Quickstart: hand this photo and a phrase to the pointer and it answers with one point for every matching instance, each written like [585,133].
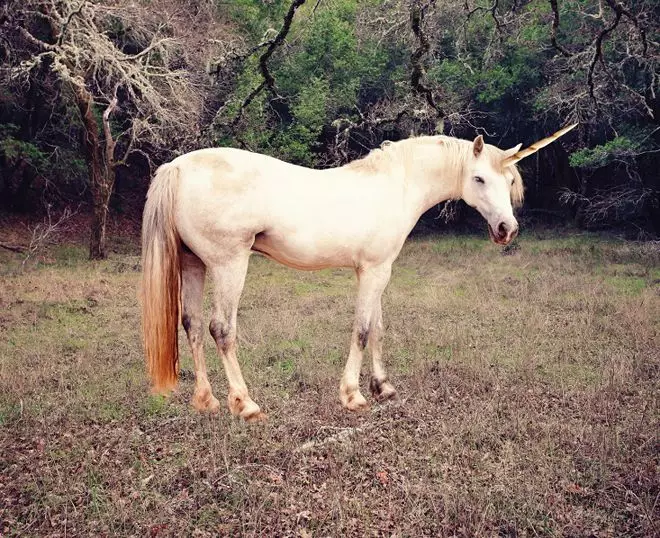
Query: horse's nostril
[501,229]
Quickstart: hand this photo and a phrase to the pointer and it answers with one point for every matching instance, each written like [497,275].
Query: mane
[452,152]
[377,160]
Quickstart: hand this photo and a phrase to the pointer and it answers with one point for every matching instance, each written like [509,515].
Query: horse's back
[226,165]
[311,217]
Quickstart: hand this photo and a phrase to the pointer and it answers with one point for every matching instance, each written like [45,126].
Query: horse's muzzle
[503,235]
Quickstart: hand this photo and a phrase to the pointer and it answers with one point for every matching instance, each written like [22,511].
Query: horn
[536,146]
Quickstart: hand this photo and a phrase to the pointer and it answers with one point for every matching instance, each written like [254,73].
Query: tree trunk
[97,241]
[101,175]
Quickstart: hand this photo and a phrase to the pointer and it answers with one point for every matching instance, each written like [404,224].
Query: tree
[126,77]
[320,83]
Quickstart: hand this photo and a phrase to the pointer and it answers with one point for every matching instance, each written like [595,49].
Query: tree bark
[101,174]
[97,241]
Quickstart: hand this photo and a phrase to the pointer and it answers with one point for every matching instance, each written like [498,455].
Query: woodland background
[529,382]
[95,95]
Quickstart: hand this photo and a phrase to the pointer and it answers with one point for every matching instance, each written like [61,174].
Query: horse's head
[493,185]
[493,188]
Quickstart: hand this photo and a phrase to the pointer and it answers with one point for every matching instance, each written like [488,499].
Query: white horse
[209,209]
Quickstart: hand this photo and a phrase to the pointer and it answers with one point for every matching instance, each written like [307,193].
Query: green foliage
[15,150]
[256,18]
[602,155]
[489,68]
[515,77]
[309,113]
[321,79]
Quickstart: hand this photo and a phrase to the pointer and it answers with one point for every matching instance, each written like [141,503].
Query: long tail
[161,280]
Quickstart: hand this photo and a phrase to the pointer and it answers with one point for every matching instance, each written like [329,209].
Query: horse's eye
[512,182]
[479,179]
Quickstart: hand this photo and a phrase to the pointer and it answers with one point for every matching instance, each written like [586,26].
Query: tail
[161,280]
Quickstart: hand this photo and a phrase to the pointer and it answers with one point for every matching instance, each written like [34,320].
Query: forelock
[496,157]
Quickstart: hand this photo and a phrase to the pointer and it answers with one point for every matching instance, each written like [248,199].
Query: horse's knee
[223,334]
[193,327]
[375,337]
[186,321]
[363,337]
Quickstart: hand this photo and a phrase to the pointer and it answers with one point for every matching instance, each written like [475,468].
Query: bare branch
[43,232]
[66,24]
[279,38]
[598,54]
[110,143]
[620,9]
[41,45]
[418,71]
[154,45]
[492,9]
[346,126]
[555,28]
[273,44]
[14,248]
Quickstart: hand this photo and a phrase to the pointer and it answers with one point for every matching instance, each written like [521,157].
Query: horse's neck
[430,180]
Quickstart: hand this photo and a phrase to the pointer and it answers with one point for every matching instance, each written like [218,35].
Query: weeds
[529,401]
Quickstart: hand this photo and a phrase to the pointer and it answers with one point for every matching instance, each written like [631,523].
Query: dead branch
[417,15]
[279,39]
[598,54]
[346,126]
[492,9]
[44,232]
[66,24]
[273,44]
[555,27]
[41,45]
[110,142]
[449,211]
[620,9]
[14,248]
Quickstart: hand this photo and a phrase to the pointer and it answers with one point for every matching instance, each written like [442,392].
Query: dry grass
[529,407]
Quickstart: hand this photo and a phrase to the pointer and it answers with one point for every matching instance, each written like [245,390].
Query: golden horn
[536,146]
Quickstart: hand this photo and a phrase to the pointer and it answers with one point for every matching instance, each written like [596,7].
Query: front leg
[349,387]
[372,282]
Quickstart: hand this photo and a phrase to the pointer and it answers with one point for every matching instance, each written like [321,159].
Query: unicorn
[207,211]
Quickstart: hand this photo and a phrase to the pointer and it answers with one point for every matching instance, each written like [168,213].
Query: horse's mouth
[499,239]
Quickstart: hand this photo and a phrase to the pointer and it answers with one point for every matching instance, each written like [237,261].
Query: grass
[529,390]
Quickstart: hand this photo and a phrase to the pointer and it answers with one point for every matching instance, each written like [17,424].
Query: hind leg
[193,272]
[228,279]
[381,388]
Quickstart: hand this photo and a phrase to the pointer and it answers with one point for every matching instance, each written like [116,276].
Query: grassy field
[529,387]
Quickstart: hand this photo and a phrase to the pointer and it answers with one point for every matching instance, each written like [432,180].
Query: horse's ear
[510,152]
[478,145]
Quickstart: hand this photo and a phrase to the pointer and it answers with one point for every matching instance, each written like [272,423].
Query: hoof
[244,407]
[205,402]
[353,400]
[382,390]
[258,416]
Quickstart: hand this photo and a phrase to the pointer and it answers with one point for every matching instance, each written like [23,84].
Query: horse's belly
[303,251]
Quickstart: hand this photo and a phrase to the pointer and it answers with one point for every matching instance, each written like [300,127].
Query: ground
[529,400]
